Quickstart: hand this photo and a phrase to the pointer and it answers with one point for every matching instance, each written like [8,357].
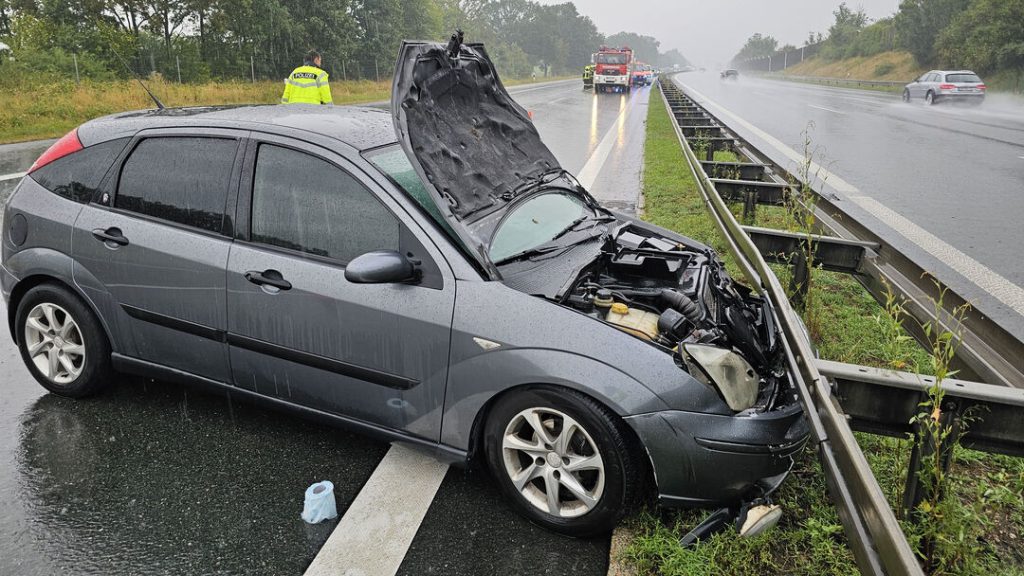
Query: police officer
[307,84]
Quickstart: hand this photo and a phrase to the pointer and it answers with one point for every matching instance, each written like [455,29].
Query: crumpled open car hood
[471,144]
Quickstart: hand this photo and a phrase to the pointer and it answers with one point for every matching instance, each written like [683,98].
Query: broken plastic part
[733,376]
[760,519]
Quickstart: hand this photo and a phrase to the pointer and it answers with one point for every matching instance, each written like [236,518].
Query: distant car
[5,52]
[946,85]
[432,276]
[730,74]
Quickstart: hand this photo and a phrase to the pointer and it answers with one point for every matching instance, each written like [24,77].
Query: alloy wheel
[553,462]
[54,343]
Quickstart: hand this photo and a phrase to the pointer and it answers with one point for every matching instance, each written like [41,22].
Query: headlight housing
[724,370]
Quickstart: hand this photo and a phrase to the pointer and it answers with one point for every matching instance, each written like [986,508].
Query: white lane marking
[1021,157]
[588,174]
[15,176]
[374,535]
[828,110]
[999,287]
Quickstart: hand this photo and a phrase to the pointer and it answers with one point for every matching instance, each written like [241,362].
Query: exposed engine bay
[682,299]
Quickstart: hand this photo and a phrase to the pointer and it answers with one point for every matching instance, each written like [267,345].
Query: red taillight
[69,144]
[946,87]
[981,86]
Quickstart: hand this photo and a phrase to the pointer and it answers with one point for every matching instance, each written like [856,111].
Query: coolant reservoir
[633,320]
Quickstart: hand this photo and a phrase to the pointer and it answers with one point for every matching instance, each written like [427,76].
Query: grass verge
[52,109]
[852,328]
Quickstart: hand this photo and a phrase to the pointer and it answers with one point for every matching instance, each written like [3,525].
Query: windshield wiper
[572,226]
[542,249]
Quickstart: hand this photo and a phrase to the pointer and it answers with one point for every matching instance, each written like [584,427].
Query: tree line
[199,40]
[983,35]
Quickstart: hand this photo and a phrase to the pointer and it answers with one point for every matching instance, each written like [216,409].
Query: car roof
[954,71]
[360,127]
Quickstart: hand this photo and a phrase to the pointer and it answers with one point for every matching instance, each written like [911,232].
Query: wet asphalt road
[955,171]
[150,478]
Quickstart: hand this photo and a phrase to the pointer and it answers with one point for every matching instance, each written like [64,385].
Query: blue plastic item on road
[319,504]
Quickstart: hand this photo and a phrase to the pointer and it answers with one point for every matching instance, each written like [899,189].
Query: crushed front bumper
[710,460]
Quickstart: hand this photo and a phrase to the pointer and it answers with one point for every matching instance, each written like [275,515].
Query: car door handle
[110,235]
[268,278]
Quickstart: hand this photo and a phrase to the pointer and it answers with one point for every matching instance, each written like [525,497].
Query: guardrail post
[799,279]
[750,207]
[917,490]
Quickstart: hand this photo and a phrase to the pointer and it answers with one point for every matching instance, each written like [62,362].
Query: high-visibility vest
[307,85]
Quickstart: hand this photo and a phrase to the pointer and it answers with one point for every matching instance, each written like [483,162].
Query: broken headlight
[724,370]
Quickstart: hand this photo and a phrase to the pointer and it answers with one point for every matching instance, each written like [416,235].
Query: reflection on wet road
[151,478]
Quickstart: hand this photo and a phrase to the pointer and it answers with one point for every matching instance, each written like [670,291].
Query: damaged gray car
[432,277]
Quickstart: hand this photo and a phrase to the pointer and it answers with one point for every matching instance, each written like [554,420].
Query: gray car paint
[391,328]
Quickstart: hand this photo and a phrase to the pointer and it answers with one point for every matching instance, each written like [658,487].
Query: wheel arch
[642,457]
[28,283]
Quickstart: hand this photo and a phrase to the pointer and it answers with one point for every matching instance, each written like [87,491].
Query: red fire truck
[613,69]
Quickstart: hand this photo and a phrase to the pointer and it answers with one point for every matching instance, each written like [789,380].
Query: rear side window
[178,179]
[77,175]
[307,204]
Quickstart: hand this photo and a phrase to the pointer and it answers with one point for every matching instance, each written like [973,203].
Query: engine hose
[682,303]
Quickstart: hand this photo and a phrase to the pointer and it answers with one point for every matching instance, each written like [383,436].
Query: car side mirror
[381,267]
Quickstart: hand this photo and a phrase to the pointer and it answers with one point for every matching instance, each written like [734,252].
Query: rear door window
[77,175]
[307,204]
[178,179]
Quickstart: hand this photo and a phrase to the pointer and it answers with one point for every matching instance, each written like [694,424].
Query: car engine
[682,299]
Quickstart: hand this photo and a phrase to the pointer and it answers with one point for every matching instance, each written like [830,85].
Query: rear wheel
[929,98]
[564,460]
[61,342]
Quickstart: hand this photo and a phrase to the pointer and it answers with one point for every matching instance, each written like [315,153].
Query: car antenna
[159,104]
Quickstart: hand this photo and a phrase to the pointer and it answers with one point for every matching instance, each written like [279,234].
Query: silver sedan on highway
[946,85]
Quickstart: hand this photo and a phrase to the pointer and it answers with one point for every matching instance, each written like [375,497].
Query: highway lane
[156,479]
[944,184]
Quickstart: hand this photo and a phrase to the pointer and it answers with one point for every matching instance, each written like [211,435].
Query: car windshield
[968,78]
[535,221]
[611,59]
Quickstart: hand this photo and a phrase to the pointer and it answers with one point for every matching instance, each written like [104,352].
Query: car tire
[62,343]
[584,453]
[906,95]
[929,98]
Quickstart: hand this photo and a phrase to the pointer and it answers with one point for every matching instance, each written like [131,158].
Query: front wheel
[62,342]
[565,461]
[906,95]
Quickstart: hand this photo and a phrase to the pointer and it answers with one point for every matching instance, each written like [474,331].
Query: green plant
[800,217]
[895,341]
[884,68]
[944,531]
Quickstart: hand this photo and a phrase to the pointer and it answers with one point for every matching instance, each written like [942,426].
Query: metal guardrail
[848,82]
[839,398]
[877,542]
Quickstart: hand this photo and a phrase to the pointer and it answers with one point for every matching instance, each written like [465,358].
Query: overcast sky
[710,32]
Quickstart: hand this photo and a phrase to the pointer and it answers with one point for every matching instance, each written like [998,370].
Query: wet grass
[52,109]
[852,328]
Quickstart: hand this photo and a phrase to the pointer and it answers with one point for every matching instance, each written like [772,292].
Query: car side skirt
[129,365]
